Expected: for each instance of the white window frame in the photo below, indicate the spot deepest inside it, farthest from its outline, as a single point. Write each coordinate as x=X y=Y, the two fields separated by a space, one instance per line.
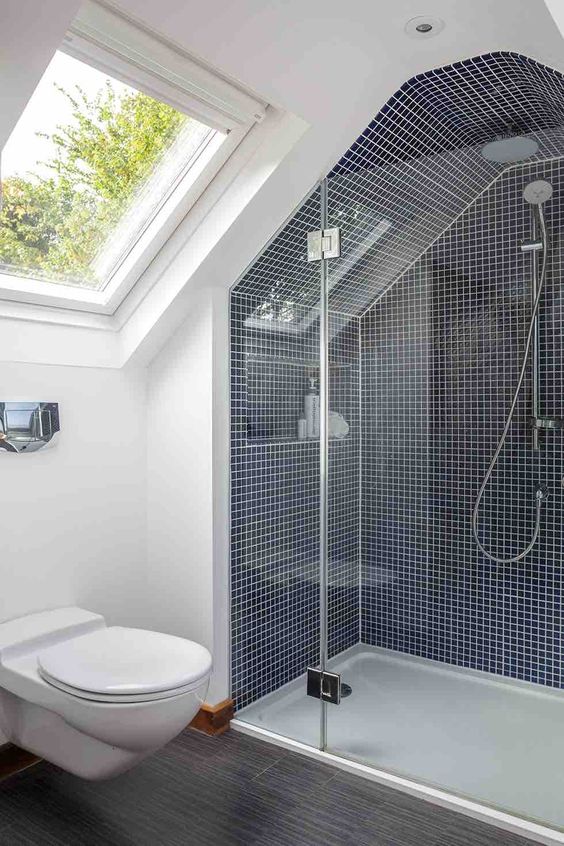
x=106 y=40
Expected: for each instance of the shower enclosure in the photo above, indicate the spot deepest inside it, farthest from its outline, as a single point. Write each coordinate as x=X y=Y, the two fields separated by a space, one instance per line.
x=366 y=620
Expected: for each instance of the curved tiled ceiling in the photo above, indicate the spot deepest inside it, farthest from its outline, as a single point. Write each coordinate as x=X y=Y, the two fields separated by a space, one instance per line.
x=410 y=174
x=460 y=105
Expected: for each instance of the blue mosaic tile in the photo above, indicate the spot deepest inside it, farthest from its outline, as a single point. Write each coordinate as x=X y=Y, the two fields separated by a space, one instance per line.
x=428 y=308
x=440 y=359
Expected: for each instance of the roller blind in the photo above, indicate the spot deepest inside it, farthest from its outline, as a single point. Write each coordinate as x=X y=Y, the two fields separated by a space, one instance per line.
x=105 y=38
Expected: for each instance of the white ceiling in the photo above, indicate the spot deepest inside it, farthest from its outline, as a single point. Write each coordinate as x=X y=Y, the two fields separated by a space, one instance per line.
x=30 y=32
x=331 y=58
x=331 y=62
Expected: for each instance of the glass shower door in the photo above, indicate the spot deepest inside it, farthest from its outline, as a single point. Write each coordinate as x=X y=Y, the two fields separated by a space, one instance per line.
x=275 y=483
x=375 y=463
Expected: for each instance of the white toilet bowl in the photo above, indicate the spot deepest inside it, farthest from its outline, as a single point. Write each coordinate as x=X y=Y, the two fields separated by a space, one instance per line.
x=95 y=699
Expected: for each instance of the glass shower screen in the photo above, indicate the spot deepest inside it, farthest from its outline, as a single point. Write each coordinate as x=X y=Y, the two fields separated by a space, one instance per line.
x=275 y=483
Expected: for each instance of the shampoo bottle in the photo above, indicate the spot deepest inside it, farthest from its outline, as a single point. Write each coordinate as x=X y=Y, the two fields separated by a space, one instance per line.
x=311 y=409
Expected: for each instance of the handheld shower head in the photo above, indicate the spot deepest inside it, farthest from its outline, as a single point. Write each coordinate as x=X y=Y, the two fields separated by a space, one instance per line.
x=537 y=192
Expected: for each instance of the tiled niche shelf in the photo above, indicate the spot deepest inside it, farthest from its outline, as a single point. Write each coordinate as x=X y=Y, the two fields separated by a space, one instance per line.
x=276 y=387
x=258 y=442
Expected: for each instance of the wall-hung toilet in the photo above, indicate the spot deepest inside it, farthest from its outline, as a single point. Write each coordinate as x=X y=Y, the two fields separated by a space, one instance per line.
x=95 y=699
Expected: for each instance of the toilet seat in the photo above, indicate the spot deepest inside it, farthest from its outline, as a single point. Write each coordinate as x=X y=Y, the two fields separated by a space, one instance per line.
x=117 y=698
x=122 y=665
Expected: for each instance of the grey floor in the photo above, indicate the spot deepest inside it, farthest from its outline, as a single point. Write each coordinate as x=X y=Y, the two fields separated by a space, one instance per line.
x=227 y=790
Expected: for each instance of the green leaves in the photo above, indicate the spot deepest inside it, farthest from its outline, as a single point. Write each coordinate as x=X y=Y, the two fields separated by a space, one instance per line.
x=56 y=226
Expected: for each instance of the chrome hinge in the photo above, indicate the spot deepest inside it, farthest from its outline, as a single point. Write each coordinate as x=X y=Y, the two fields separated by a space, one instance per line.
x=324 y=685
x=323 y=244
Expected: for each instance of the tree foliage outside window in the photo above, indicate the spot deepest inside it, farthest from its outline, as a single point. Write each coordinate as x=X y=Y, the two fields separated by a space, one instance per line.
x=53 y=225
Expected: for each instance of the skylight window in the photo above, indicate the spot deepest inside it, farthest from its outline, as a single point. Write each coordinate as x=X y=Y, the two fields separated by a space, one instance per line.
x=86 y=170
x=120 y=139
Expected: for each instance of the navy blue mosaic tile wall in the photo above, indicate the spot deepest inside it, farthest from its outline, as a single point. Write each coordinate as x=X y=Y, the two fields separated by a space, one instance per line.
x=440 y=358
x=460 y=105
x=411 y=173
x=441 y=337
x=275 y=497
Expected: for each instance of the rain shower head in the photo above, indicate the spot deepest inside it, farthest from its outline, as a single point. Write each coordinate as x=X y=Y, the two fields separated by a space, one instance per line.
x=512 y=149
x=537 y=192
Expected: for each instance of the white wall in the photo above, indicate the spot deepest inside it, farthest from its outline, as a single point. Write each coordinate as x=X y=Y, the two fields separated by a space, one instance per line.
x=119 y=516
x=187 y=561
x=72 y=518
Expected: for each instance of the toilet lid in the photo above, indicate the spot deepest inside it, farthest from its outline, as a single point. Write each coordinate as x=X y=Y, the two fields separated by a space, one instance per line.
x=119 y=662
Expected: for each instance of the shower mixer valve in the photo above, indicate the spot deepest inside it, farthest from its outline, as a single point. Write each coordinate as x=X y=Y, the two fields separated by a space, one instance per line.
x=531 y=246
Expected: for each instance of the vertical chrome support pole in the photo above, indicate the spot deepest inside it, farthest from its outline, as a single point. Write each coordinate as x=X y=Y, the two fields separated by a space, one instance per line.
x=323 y=462
x=535 y=362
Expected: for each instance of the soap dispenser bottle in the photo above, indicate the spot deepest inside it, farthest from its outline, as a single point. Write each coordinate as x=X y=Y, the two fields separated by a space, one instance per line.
x=311 y=409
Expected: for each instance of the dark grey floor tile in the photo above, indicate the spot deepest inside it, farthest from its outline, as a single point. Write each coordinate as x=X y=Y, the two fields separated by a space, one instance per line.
x=398 y=815
x=54 y=808
x=227 y=791
x=295 y=776
x=244 y=757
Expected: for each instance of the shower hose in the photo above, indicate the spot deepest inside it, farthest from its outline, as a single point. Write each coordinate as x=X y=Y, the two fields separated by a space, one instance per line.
x=539 y=494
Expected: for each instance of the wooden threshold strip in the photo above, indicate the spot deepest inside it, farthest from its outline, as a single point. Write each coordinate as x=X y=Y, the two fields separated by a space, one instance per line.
x=214 y=719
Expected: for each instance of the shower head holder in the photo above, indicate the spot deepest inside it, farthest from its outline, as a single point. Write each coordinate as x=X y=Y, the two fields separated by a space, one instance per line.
x=547 y=422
